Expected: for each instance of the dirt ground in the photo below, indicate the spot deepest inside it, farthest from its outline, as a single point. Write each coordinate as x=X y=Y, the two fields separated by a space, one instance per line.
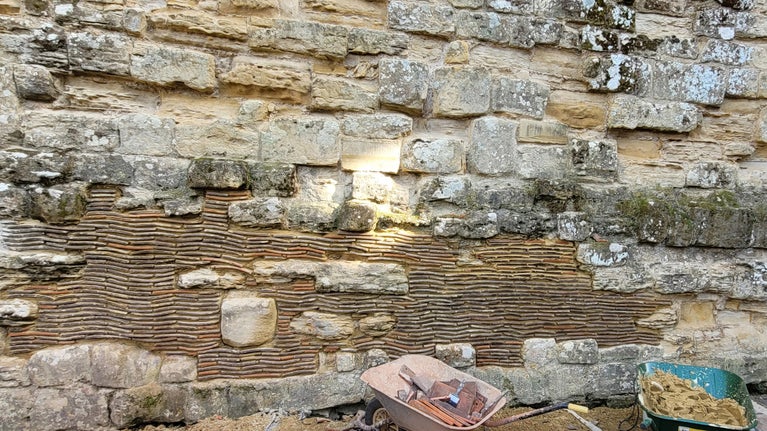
x=608 y=419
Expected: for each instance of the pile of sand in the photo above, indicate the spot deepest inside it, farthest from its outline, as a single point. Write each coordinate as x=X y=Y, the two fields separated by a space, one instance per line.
x=669 y=395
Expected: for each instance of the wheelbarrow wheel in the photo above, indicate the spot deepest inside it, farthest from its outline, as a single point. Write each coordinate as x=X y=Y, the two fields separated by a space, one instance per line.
x=376 y=413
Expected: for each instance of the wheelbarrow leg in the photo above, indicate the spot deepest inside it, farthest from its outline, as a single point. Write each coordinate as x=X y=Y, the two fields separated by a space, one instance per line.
x=376 y=416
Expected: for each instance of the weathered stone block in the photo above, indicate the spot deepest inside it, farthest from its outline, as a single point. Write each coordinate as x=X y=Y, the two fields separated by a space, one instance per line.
x=761 y=133
x=377 y=325
x=403 y=84
x=279 y=78
x=121 y=366
x=99 y=52
x=160 y=173
x=546 y=31
x=380 y=155
x=218 y=174
x=17 y=311
x=372 y=186
x=542 y=132
x=207 y=278
x=252 y=112
x=371 y=42
x=77 y=407
x=164 y=65
x=273 y=179
x=583 y=351
x=598 y=39
x=221 y=138
x=479 y=225
x=456 y=355
x=615 y=379
x=539 y=352
x=519 y=96
x=13 y=372
x=206 y=399
x=602 y=254
x=178 y=369
x=457 y=52
x=493 y=146
x=619 y=73
x=61 y=132
x=689 y=83
x=35 y=83
x=339 y=94
x=325 y=326
x=145 y=135
x=598 y=159
x=729 y=53
x=575 y=110
x=15 y=404
x=62 y=203
x=317 y=39
x=357 y=216
x=628 y=112
x=720 y=23
x=247 y=319
x=743 y=82
x=712 y=175
x=547 y=162
x=724 y=227
x=485 y=26
x=420 y=17
x=446 y=226
x=63 y=365
x=433 y=155
x=199 y=22
x=573 y=226
x=313 y=217
x=305 y=140
x=147 y=404
x=377 y=126
x=461 y=91
x=259 y=213
x=342 y=276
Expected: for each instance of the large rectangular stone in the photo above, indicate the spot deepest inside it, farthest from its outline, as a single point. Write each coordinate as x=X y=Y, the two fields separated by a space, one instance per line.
x=493 y=146
x=377 y=126
x=367 y=41
x=378 y=155
x=340 y=94
x=303 y=141
x=519 y=96
x=403 y=84
x=99 y=52
x=630 y=112
x=341 y=276
x=277 y=78
x=485 y=26
x=316 y=39
x=422 y=17
x=695 y=83
x=146 y=135
x=461 y=91
x=542 y=132
x=220 y=138
x=544 y=162
x=729 y=53
x=433 y=155
x=65 y=131
x=191 y=21
x=164 y=65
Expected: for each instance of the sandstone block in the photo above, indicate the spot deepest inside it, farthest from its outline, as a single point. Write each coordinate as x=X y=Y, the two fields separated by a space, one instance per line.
x=325 y=326
x=122 y=366
x=192 y=21
x=65 y=131
x=13 y=372
x=743 y=82
x=77 y=407
x=372 y=42
x=761 y=135
x=456 y=355
x=584 y=351
x=218 y=174
x=479 y=225
x=272 y=76
x=207 y=278
x=379 y=155
x=312 y=217
x=493 y=146
x=341 y=276
x=147 y=404
x=35 y=83
x=485 y=26
x=56 y=366
x=377 y=325
x=628 y=112
x=377 y=126
x=712 y=175
x=473 y=4
x=695 y=83
x=598 y=159
x=573 y=226
x=178 y=369
x=252 y=112
x=602 y=254
x=10 y=120
x=317 y=39
x=357 y=216
x=99 y=52
x=419 y=17
x=461 y=91
x=273 y=179
x=729 y=53
x=259 y=213
x=339 y=94
x=247 y=319
x=575 y=110
x=539 y=352
x=17 y=310
x=15 y=404
x=163 y=65
x=145 y=135
x=62 y=203
x=542 y=132
x=160 y=173
x=372 y=186
x=433 y=155
x=519 y=96
x=403 y=84
x=305 y=140
x=221 y=138
x=134 y=21
x=252 y=4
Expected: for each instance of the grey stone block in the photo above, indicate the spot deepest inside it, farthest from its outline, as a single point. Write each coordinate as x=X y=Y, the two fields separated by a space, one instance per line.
x=454 y=189
x=273 y=179
x=619 y=73
x=743 y=82
x=539 y=352
x=512 y=6
x=206 y=399
x=121 y=366
x=313 y=38
x=63 y=203
x=602 y=254
x=403 y=84
x=697 y=83
x=56 y=366
x=147 y=404
x=341 y=94
x=479 y=225
x=573 y=226
x=729 y=53
x=420 y=17
x=584 y=351
x=160 y=173
x=263 y=213
x=13 y=372
x=599 y=39
x=615 y=379
x=712 y=175
x=493 y=146
x=433 y=155
x=519 y=96
x=99 y=52
x=178 y=369
x=15 y=405
x=164 y=65
x=145 y=135
x=75 y=407
x=629 y=112
x=456 y=355
x=378 y=155
x=66 y=131
x=485 y=26
x=247 y=320
x=371 y=42
x=218 y=174
x=461 y=91
x=544 y=162
x=377 y=126
x=324 y=326
x=341 y=276
x=35 y=83
x=598 y=159
x=305 y=140
x=357 y=216
x=220 y=139
x=372 y=186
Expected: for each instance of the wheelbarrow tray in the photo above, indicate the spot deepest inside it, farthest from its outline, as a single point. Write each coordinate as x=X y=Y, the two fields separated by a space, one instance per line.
x=718 y=383
x=385 y=381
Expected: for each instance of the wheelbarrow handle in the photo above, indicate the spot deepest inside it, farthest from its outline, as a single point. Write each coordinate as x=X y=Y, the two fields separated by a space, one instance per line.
x=536 y=412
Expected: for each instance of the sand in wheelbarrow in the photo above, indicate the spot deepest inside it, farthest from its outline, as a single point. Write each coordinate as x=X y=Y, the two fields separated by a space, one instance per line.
x=670 y=395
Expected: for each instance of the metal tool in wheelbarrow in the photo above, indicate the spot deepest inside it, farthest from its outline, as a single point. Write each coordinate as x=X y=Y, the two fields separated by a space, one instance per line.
x=415 y=392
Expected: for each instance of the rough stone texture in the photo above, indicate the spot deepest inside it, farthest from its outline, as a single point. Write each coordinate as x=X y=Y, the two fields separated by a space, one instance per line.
x=60 y=204
x=573 y=226
x=331 y=94
x=602 y=254
x=357 y=216
x=35 y=83
x=377 y=325
x=542 y=132
x=457 y=355
x=324 y=326
x=379 y=278
x=629 y=112
x=14 y=408
x=689 y=83
x=372 y=186
x=306 y=140
x=247 y=319
x=222 y=138
x=146 y=404
x=206 y=277
x=59 y=366
x=377 y=126
x=77 y=407
x=461 y=91
x=122 y=366
x=493 y=146
x=99 y=52
x=60 y=132
x=283 y=79
x=218 y=174
x=364 y=41
x=403 y=84
x=519 y=97
x=178 y=369
x=13 y=372
x=578 y=352
x=259 y=213
x=17 y=310
x=145 y=135
x=381 y=155
x=598 y=159
x=313 y=38
x=544 y=162
x=433 y=155
x=419 y=17
x=164 y=66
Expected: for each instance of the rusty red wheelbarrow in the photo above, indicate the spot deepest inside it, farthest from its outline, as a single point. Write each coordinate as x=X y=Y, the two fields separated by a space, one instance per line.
x=390 y=386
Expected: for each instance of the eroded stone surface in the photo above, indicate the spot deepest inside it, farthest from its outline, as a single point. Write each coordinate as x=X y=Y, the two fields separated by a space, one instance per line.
x=247 y=319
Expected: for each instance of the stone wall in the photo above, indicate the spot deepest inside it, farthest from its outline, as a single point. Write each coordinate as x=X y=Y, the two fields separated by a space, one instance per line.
x=227 y=206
